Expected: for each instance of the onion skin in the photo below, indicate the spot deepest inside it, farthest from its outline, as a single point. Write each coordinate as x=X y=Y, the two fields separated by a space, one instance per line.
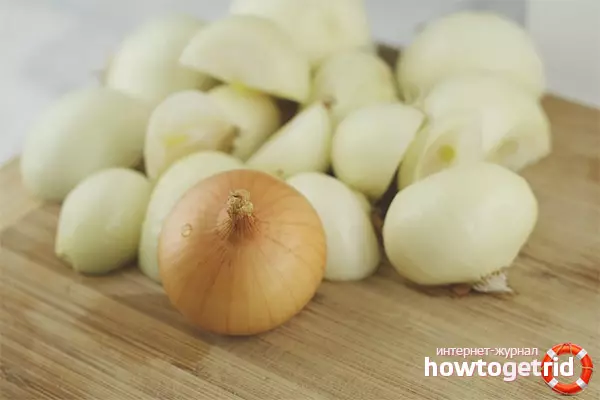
x=241 y=253
x=171 y=186
x=460 y=225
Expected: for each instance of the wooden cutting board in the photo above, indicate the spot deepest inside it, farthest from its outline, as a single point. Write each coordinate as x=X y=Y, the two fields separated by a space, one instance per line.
x=66 y=336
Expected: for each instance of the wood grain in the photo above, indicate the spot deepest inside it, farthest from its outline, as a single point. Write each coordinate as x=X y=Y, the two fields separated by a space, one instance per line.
x=67 y=336
x=14 y=200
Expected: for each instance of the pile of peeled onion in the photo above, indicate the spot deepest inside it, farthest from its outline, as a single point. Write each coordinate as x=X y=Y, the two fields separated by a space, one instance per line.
x=243 y=161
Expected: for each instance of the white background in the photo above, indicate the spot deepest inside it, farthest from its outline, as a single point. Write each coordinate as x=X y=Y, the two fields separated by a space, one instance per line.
x=52 y=46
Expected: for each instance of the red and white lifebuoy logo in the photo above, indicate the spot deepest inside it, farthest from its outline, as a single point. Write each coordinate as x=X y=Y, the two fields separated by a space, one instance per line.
x=549 y=366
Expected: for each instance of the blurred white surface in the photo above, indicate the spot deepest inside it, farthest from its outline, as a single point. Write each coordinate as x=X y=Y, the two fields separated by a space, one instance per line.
x=53 y=46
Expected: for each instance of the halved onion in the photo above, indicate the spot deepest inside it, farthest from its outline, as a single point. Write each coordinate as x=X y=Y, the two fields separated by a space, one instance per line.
x=319 y=28
x=369 y=144
x=255 y=114
x=351 y=80
x=442 y=143
x=515 y=130
x=253 y=52
x=83 y=132
x=146 y=66
x=302 y=145
x=184 y=123
x=465 y=42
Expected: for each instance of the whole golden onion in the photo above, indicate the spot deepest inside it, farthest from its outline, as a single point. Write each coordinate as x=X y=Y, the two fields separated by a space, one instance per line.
x=241 y=253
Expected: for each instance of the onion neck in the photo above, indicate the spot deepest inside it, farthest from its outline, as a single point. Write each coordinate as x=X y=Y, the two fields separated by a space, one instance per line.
x=240 y=221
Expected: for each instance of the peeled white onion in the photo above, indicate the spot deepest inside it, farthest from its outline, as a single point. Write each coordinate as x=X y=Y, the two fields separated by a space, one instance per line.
x=100 y=221
x=515 y=130
x=302 y=145
x=352 y=80
x=442 y=143
x=352 y=249
x=146 y=65
x=466 y=42
x=320 y=28
x=461 y=225
x=184 y=123
x=255 y=114
x=83 y=132
x=364 y=202
x=369 y=144
x=171 y=186
x=253 y=52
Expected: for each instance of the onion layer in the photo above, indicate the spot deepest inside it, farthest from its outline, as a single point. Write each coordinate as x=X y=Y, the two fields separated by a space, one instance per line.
x=241 y=253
